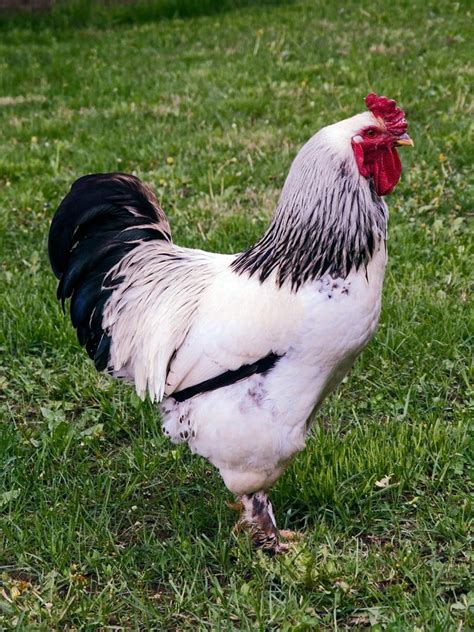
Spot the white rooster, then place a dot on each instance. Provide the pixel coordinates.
(239, 349)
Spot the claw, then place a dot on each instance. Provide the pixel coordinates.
(291, 536)
(281, 547)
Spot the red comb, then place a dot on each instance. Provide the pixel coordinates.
(387, 110)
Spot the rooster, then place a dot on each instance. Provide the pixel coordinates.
(240, 350)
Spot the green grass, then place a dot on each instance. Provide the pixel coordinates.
(104, 523)
(105, 13)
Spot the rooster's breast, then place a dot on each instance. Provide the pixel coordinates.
(251, 429)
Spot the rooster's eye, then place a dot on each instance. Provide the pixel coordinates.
(371, 133)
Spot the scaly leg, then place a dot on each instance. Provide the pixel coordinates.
(258, 519)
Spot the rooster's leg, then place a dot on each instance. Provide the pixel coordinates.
(258, 519)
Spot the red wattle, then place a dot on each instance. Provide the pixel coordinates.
(386, 171)
(382, 163)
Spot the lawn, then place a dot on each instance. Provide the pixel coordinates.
(106, 525)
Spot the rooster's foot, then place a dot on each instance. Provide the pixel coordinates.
(258, 520)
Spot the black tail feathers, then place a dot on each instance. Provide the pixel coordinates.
(102, 218)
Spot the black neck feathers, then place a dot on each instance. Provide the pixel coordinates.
(330, 227)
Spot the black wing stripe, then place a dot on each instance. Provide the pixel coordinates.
(228, 377)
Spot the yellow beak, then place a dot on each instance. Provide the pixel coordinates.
(404, 141)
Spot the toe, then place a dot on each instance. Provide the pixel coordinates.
(236, 506)
(281, 548)
(291, 536)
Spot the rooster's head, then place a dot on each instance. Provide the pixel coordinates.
(374, 144)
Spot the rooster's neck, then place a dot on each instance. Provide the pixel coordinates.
(329, 220)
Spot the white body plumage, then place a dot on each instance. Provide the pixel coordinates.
(250, 430)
